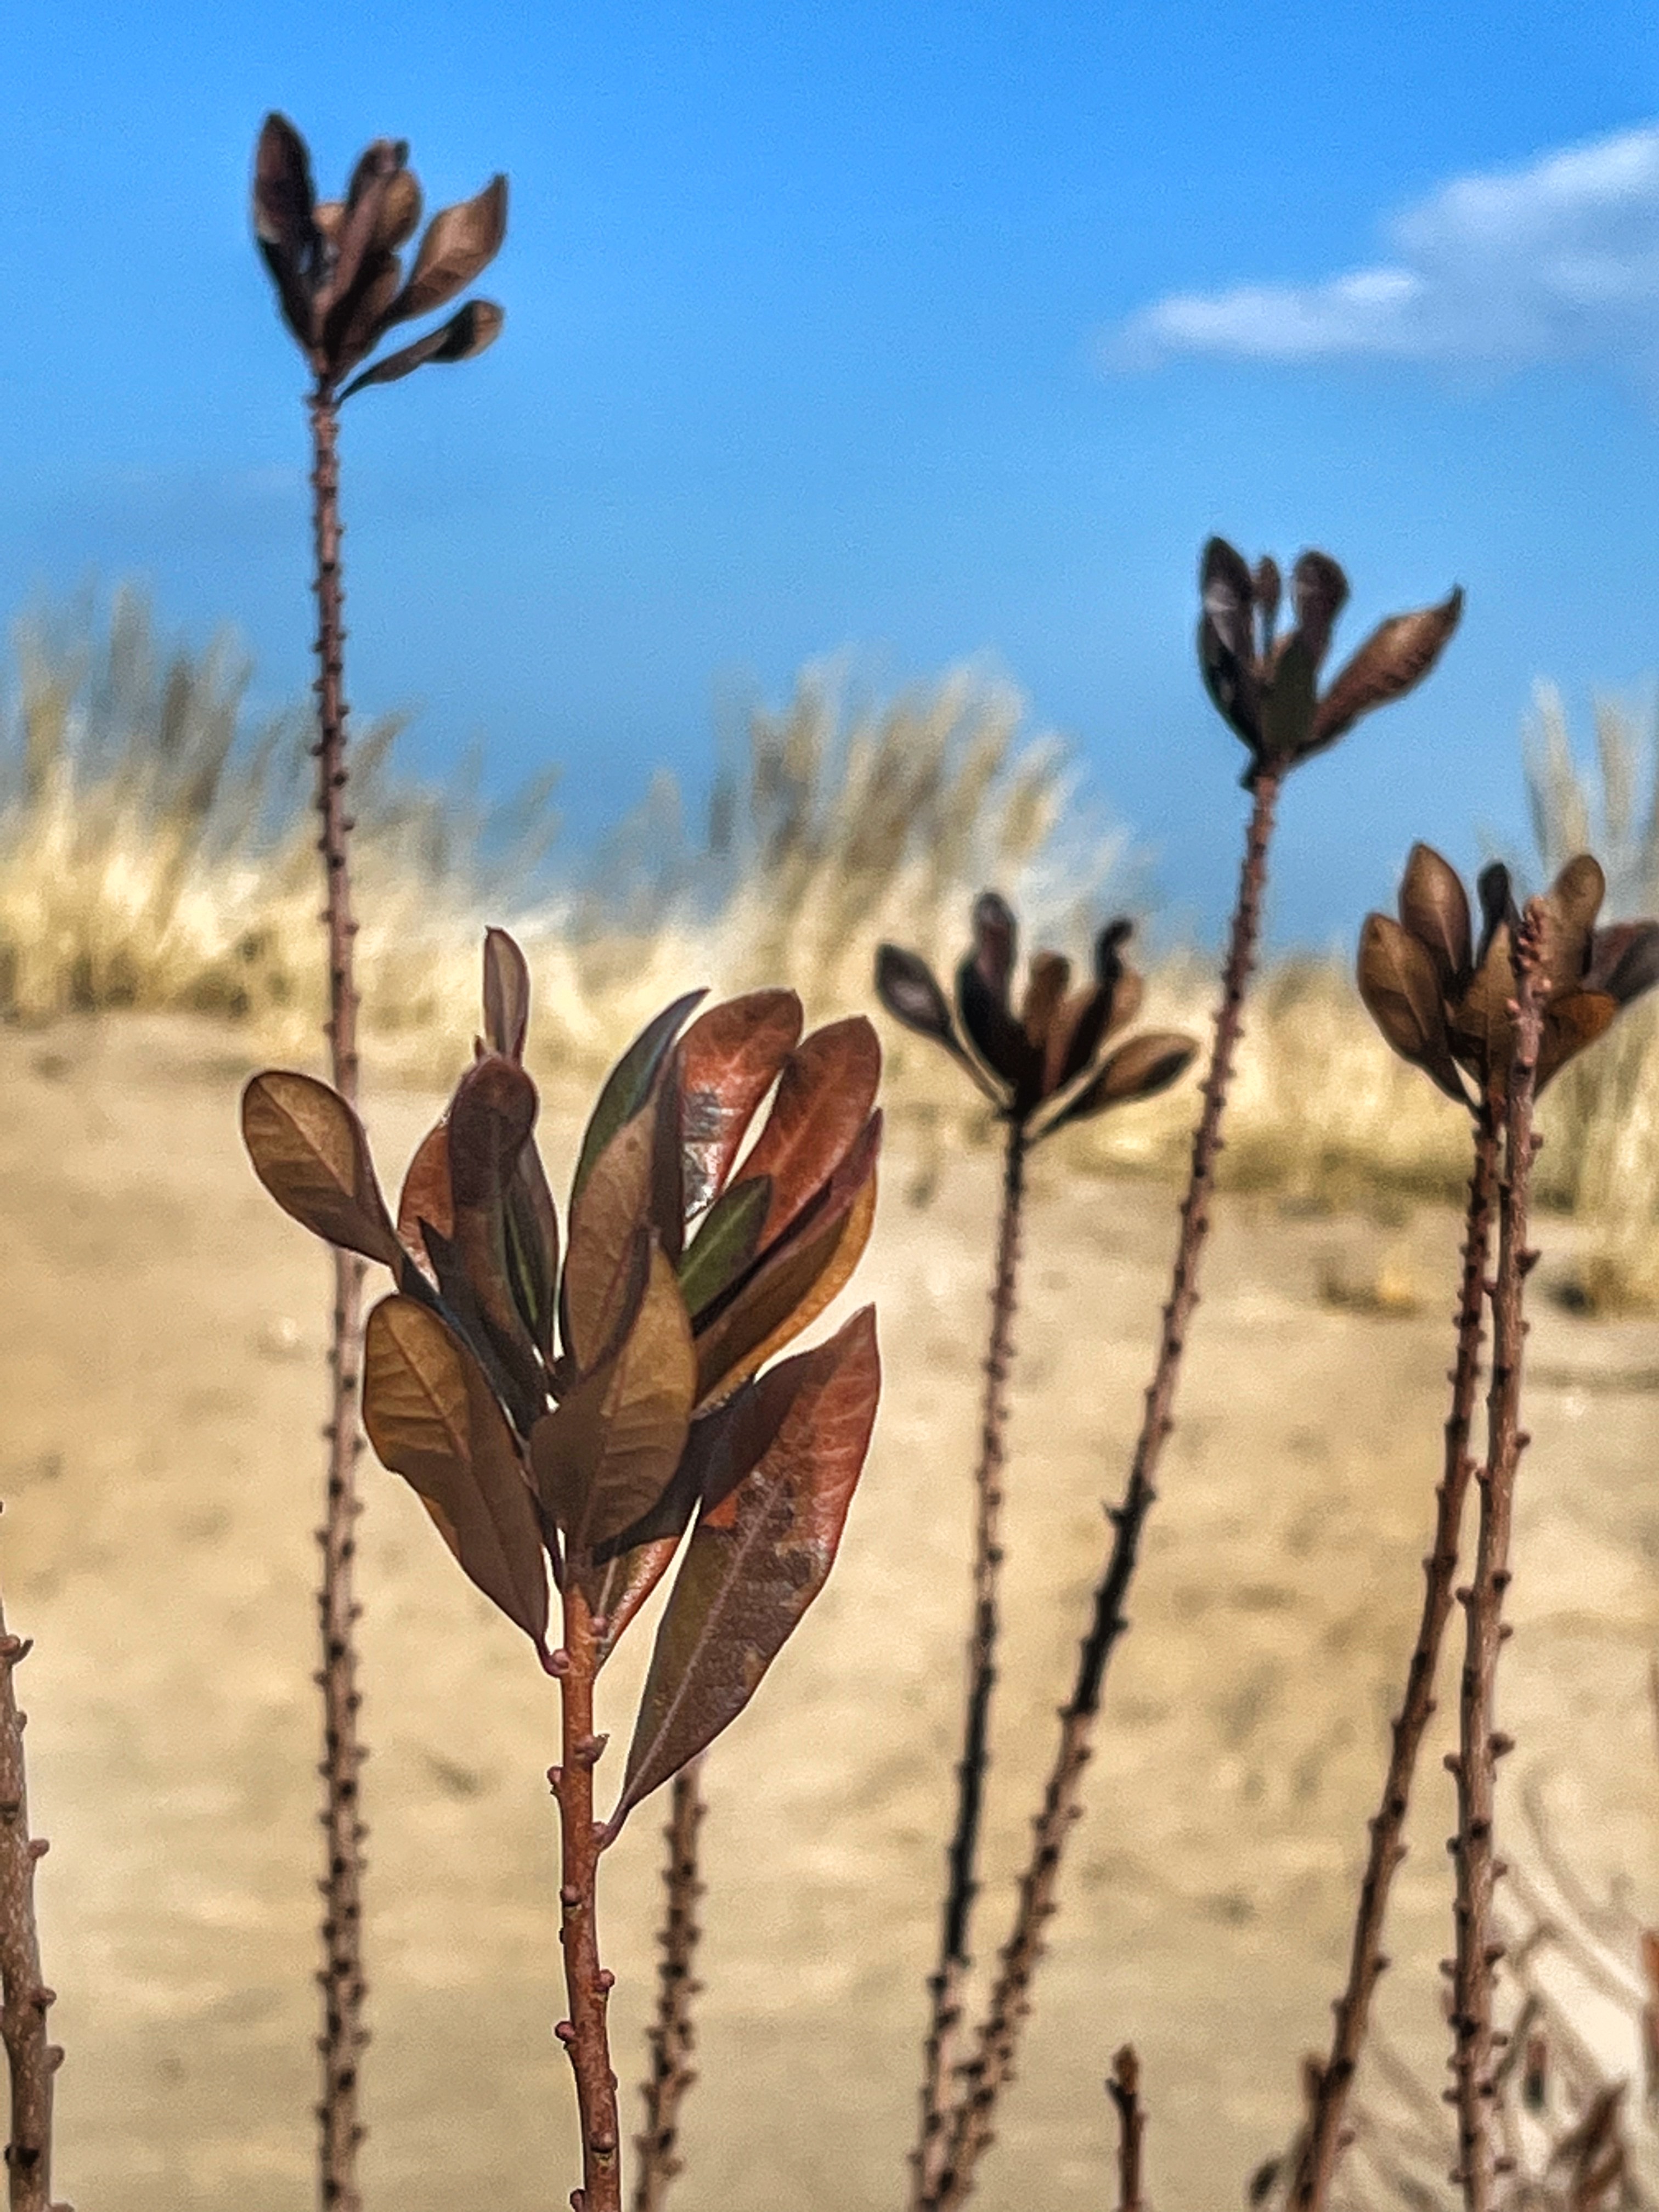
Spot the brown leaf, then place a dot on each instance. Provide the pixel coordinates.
(995, 942)
(1226, 645)
(309, 1150)
(1267, 585)
(628, 1084)
(532, 1247)
(1572, 1021)
(1319, 592)
(792, 1286)
(354, 328)
(621, 1586)
(433, 1419)
(460, 243)
(755, 1563)
(1394, 660)
(910, 991)
(1045, 990)
(1075, 1035)
(284, 223)
(490, 1120)
(400, 212)
(467, 332)
(729, 1059)
(608, 1220)
(426, 1195)
(1573, 901)
(1625, 960)
(357, 258)
(1400, 986)
(505, 994)
(1435, 909)
(1141, 1068)
(1481, 1025)
(825, 1093)
(604, 1457)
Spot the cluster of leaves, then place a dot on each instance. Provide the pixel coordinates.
(1267, 688)
(578, 1417)
(1048, 1060)
(1443, 999)
(335, 263)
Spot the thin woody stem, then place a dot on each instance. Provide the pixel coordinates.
(587, 1984)
(993, 2063)
(1476, 2041)
(344, 1988)
(1123, 2087)
(31, 2059)
(946, 1985)
(1324, 2137)
(672, 2036)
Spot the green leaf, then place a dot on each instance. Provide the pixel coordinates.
(725, 1243)
(755, 1563)
(309, 1150)
(627, 1086)
(433, 1419)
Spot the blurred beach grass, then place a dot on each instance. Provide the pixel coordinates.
(157, 852)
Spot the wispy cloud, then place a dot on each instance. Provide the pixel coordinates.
(1556, 260)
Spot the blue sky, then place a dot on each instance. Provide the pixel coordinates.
(919, 332)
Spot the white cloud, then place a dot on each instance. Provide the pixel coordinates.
(1556, 260)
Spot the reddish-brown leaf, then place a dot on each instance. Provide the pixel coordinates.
(1401, 986)
(605, 1455)
(755, 1563)
(825, 1093)
(610, 1216)
(505, 994)
(309, 1150)
(433, 1419)
(284, 221)
(729, 1059)
(1394, 658)
(1319, 592)
(1045, 991)
(1572, 1021)
(1139, 1069)
(1435, 908)
(620, 1588)
(1625, 960)
(426, 1195)
(1573, 901)
(469, 330)
(996, 938)
(460, 241)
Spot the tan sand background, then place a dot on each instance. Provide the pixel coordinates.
(160, 1369)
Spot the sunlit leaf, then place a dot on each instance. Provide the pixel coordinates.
(1392, 661)
(607, 1454)
(825, 1093)
(426, 1195)
(460, 242)
(728, 1059)
(433, 1419)
(1045, 991)
(1400, 986)
(1569, 910)
(628, 1084)
(1481, 1025)
(309, 1150)
(795, 1280)
(755, 1563)
(725, 1243)
(469, 330)
(1140, 1069)
(1571, 1021)
(1435, 909)
(505, 994)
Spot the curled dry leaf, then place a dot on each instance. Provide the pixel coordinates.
(1395, 658)
(460, 243)
(309, 1150)
(908, 989)
(756, 1562)
(1140, 1069)
(1402, 994)
(433, 1419)
(469, 330)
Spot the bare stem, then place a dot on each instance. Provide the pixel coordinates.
(1323, 2139)
(946, 1985)
(672, 2036)
(587, 1984)
(991, 2064)
(344, 1989)
(1474, 1764)
(31, 2058)
(1123, 2087)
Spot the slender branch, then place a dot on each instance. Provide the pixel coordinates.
(1474, 1764)
(344, 1989)
(998, 2038)
(672, 2037)
(1123, 2087)
(946, 1985)
(31, 2059)
(1323, 2142)
(587, 1984)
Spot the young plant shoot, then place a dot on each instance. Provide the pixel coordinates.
(569, 1410)
(341, 287)
(1040, 1068)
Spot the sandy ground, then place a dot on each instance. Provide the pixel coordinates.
(162, 1380)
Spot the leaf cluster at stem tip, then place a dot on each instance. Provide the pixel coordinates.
(1266, 687)
(335, 263)
(1443, 999)
(573, 1413)
(1049, 1058)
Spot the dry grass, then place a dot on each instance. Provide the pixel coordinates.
(157, 853)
